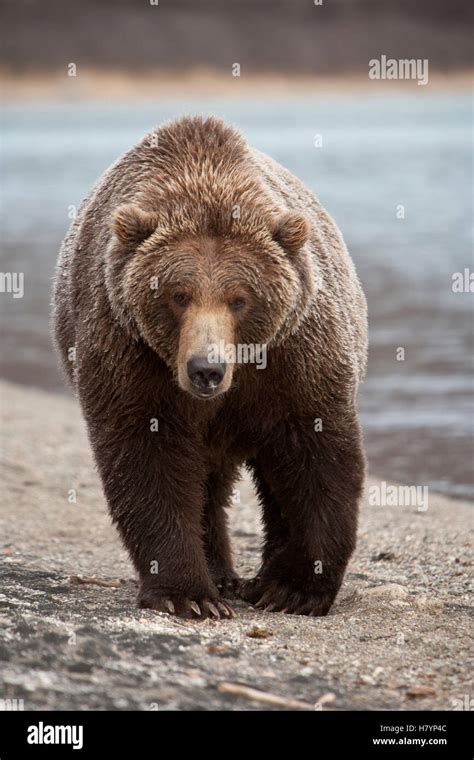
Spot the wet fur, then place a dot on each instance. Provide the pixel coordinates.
(167, 491)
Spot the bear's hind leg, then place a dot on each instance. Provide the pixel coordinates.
(276, 531)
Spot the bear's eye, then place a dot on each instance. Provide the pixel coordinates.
(237, 303)
(181, 299)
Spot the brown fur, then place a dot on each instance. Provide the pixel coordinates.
(189, 238)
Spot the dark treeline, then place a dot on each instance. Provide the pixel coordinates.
(261, 35)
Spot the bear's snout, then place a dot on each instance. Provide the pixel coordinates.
(205, 376)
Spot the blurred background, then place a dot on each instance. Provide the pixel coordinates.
(390, 160)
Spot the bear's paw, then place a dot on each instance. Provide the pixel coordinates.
(180, 605)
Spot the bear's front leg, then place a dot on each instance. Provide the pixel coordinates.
(309, 482)
(154, 481)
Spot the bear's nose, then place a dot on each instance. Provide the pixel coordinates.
(205, 376)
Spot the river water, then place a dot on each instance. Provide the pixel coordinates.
(395, 173)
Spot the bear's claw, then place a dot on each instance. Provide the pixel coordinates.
(275, 596)
(181, 606)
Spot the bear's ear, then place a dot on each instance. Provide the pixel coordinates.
(291, 231)
(132, 225)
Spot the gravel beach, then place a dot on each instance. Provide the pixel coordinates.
(397, 637)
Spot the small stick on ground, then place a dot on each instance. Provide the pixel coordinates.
(262, 696)
(77, 580)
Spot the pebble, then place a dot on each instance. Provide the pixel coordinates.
(258, 633)
(425, 604)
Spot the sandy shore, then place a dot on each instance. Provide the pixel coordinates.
(100, 84)
(397, 637)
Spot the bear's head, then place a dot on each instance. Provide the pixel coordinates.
(192, 296)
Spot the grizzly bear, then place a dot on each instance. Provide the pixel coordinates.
(193, 240)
